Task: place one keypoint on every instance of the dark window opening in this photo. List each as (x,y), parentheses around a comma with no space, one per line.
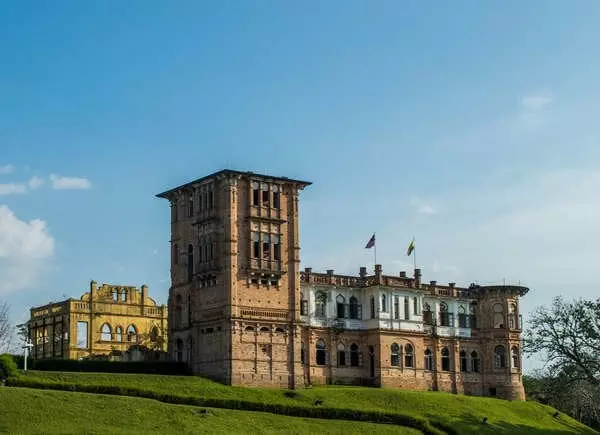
(191,207)
(408,356)
(276,248)
(255,195)
(353,308)
(340,310)
(341,357)
(303,307)
(396,307)
(372,307)
(406,309)
(474,362)
(395,355)
(445,359)
(492,391)
(265,197)
(463,361)
(210,199)
(190,263)
(276,203)
(320,354)
(354,356)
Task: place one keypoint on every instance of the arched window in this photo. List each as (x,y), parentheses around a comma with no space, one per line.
(175,254)
(354,355)
(131,333)
(118,333)
(320,353)
(341,351)
(383,304)
(500,357)
(179,349)
(303,353)
(340,306)
(303,305)
(498,316)
(428,360)
(427,315)
(395,354)
(474,362)
(444,315)
(409,356)
(191,206)
(463,361)
(154,334)
(190,349)
(178,307)
(105,334)
(372,307)
(515,357)
(462,317)
(280,330)
(264,329)
(249,328)
(353,308)
(445,359)
(190,263)
(512,316)
(320,304)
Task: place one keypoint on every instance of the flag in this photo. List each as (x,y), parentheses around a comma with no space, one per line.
(411,247)
(371,242)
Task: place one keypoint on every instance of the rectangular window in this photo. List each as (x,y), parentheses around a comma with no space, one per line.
(174,213)
(82,335)
(303,307)
(255,245)
(406,308)
(210,200)
(265,196)
(276,248)
(266,247)
(276,201)
(191,207)
(255,195)
(396,307)
(415,305)
(201,203)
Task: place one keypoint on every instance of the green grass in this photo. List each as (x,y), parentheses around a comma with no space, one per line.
(463,413)
(29,411)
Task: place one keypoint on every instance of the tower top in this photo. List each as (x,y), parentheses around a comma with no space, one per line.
(247,174)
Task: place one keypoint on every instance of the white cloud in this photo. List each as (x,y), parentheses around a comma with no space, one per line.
(25,248)
(7,169)
(12,188)
(69,183)
(536,101)
(423,207)
(35,183)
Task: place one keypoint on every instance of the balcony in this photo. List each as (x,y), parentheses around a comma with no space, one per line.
(266,266)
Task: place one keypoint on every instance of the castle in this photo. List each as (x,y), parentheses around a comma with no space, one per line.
(241,310)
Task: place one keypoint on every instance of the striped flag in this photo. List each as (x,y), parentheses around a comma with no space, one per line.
(411,247)
(371,242)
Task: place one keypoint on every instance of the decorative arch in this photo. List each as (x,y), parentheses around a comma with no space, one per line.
(264,329)
(132,333)
(105,332)
(340,306)
(445,359)
(154,334)
(249,328)
(409,357)
(320,304)
(500,357)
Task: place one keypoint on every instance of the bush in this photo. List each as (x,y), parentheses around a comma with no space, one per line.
(8,367)
(104,366)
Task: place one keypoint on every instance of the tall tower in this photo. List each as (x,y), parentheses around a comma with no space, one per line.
(235,277)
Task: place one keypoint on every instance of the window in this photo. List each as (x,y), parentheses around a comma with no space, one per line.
(190,263)
(249,328)
(276,201)
(341,355)
(175,254)
(474,362)
(396,307)
(383,305)
(445,359)
(498,316)
(105,333)
(462,317)
(131,333)
(210,199)
(255,194)
(179,349)
(265,196)
(427,315)
(353,308)
(302,353)
(372,307)
(444,315)
(515,357)
(264,329)
(191,206)
(472,317)
(320,304)
(118,333)
(124,296)
(408,356)
(395,355)
(154,335)
(415,305)
(190,349)
(255,245)
(276,247)
(463,361)
(320,354)
(266,246)
(340,306)
(500,357)
(512,316)
(354,355)
(82,335)
(428,360)
(406,308)
(174,213)
(280,330)
(303,305)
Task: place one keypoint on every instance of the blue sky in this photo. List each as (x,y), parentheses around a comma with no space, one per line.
(470,125)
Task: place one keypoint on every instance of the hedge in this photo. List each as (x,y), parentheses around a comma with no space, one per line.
(104,366)
(422,424)
(8,367)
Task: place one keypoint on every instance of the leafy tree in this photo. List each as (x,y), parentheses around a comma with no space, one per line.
(568,334)
(5,329)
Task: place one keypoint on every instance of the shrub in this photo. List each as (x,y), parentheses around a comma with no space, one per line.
(105,366)
(8,367)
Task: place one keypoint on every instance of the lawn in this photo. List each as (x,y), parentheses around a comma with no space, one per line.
(29,411)
(463,413)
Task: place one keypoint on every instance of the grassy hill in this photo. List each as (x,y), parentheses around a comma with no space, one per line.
(441,412)
(29,411)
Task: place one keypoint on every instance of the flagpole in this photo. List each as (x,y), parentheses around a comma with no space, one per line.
(414,254)
(374,253)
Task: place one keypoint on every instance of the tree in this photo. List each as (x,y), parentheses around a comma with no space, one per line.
(568,333)
(5,329)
